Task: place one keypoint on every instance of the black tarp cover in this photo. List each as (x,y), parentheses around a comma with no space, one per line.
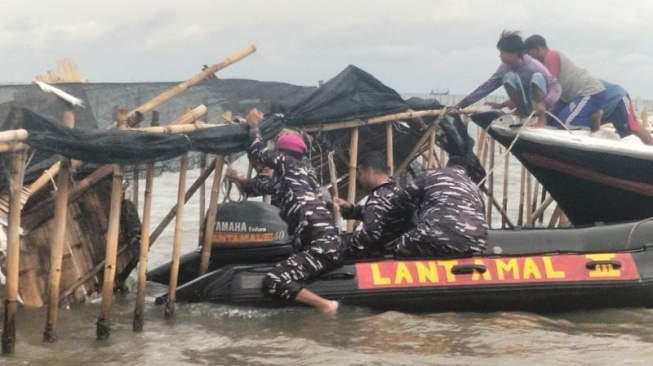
(133,147)
(352,94)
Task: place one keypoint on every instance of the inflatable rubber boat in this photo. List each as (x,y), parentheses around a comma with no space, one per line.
(543,270)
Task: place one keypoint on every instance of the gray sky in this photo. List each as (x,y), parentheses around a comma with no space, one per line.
(410,45)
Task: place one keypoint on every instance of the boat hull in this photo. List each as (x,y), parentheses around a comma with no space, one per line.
(543,270)
(590,182)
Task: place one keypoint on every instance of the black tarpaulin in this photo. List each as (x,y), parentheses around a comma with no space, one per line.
(133,147)
(352,94)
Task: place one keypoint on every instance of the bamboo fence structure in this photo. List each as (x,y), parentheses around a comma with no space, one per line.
(425,149)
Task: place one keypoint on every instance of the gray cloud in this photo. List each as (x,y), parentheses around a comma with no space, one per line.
(412,46)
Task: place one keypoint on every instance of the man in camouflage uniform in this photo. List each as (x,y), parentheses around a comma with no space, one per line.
(304,210)
(451,214)
(379,226)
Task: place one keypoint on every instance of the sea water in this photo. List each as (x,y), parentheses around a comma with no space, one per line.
(211,334)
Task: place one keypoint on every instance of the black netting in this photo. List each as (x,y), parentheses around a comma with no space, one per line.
(351,94)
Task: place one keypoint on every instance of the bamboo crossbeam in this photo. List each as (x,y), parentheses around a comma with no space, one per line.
(13,253)
(418,146)
(13,146)
(14,135)
(172,213)
(539,211)
(380,119)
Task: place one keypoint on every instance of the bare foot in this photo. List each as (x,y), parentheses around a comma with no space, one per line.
(329,309)
(539,125)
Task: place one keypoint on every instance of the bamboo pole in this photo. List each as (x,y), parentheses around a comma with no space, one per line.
(13,146)
(529,199)
(506,169)
(386,118)
(17,135)
(179,88)
(490,181)
(202,196)
(103,329)
(176,245)
(139,319)
(430,158)
(536,189)
(56,252)
(211,218)
(418,146)
(333,175)
(522,184)
(353,162)
(539,211)
(555,217)
(173,211)
(389,144)
(13,253)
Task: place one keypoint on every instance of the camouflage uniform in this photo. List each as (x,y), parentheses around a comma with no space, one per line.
(451,216)
(380,225)
(304,210)
(262,185)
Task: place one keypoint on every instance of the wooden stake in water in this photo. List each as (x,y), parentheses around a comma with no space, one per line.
(353,162)
(176,245)
(207,243)
(137,325)
(103,329)
(333,175)
(504,203)
(390,147)
(59,238)
(13,252)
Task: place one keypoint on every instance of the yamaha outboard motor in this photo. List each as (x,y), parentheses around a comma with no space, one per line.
(245,233)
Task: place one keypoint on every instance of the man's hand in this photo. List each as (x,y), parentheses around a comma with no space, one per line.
(267,172)
(235,176)
(495,105)
(341,203)
(253,118)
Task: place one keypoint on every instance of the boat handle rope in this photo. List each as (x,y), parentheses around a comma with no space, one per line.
(463,269)
(591,265)
(512,144)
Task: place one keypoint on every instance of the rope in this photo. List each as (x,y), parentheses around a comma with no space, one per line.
(52,180)
(512,144)
(227,184)
(632,231)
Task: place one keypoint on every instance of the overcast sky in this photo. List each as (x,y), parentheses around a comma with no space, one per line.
(410,45)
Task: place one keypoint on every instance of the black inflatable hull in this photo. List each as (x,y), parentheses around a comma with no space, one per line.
(525,274)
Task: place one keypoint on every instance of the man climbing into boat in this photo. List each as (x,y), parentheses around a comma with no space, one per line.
(583,95)
(618,110)
(308,219)
(379,227)
(450,214)
(530,86)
